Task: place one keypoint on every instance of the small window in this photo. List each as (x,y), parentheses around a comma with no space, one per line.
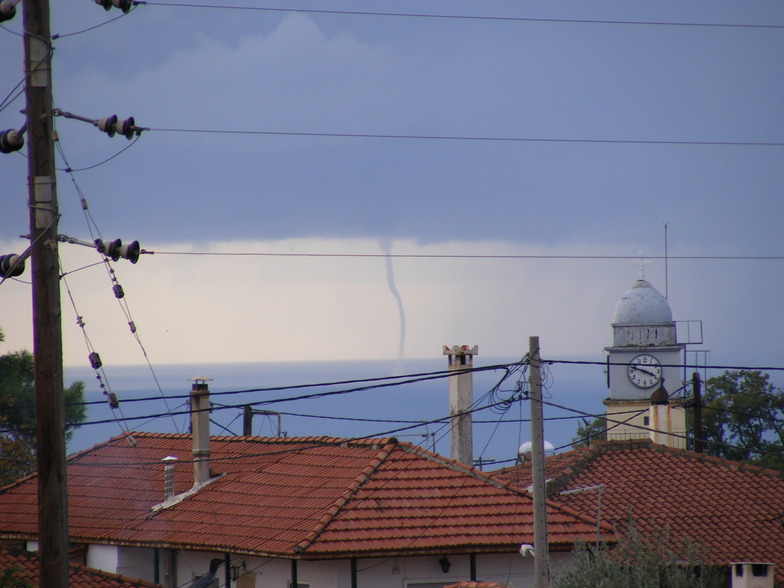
(646,421)
(759,570)
(739,570)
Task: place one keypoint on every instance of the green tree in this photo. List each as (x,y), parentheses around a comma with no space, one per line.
(640,562)
(587,431)
(17,414)
(12,578)
(743,418)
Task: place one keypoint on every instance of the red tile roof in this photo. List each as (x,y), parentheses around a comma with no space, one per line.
(78,576)
(298,497)
(733,509)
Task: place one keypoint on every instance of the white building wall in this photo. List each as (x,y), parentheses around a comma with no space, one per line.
(512,569)
(103,557)
(136,562)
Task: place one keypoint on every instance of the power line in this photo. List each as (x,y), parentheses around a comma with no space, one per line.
(475,138)
(669,433)
(460,256)
(387,381)
(677,365)
(79,32)
(372,383)
(375,435)
(463,17)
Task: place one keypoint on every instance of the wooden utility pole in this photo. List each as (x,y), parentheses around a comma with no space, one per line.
(47,334)
(541,571)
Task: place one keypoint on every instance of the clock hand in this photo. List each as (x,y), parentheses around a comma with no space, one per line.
(643,370)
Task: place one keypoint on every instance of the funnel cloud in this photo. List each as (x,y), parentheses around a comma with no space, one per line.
(386,247)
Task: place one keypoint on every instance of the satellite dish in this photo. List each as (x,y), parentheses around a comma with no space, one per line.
(524,452)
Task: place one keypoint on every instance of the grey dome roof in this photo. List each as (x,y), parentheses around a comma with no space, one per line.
(642,305)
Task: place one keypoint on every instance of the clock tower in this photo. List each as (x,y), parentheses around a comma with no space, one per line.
(644,358)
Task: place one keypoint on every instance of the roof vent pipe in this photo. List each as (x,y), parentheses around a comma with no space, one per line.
(200,429)
(168,476)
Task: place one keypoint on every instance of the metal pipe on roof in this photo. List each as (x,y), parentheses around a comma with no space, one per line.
(168,477)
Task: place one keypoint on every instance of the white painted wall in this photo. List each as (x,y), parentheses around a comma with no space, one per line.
(136,562)
(512,569)
(103,557)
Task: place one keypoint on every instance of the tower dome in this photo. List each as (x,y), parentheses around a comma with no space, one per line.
(643,317)
(642,305)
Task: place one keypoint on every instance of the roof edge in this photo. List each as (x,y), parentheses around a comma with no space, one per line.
(338,505)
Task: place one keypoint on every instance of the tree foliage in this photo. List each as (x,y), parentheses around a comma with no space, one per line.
(17,414)
(13,578)
(743,418)
(640,562)
(587,431)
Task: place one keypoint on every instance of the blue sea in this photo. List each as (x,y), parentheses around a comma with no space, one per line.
(331,398)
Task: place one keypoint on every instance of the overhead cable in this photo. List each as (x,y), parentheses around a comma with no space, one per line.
(475,138)
(462,16)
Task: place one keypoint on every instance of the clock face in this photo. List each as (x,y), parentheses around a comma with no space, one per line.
(645,371)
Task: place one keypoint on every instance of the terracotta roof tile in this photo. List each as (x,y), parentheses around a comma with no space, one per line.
(733,509)
(314,497)
(79,576)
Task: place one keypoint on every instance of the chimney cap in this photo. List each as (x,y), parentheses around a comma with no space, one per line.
(660,396)
(200,379)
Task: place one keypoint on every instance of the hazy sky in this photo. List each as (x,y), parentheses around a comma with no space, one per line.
(497,136)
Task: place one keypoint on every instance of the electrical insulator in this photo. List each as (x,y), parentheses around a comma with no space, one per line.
(126,127)
(11,266)
(7,10)
(113,402)
(118,291)
(108,125)
(115,249)
(11,140)
(131,252)
(124,5)
(111,125)
(95,360)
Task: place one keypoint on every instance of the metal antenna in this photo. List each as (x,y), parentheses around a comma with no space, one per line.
(666,284)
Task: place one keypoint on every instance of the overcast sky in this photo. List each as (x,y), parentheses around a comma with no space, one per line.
(519,134)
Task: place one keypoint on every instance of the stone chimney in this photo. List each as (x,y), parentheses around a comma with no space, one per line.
(200,430)
(461,400)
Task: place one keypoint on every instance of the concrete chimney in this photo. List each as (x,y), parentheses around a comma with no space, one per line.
(461,399)
(200,430)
